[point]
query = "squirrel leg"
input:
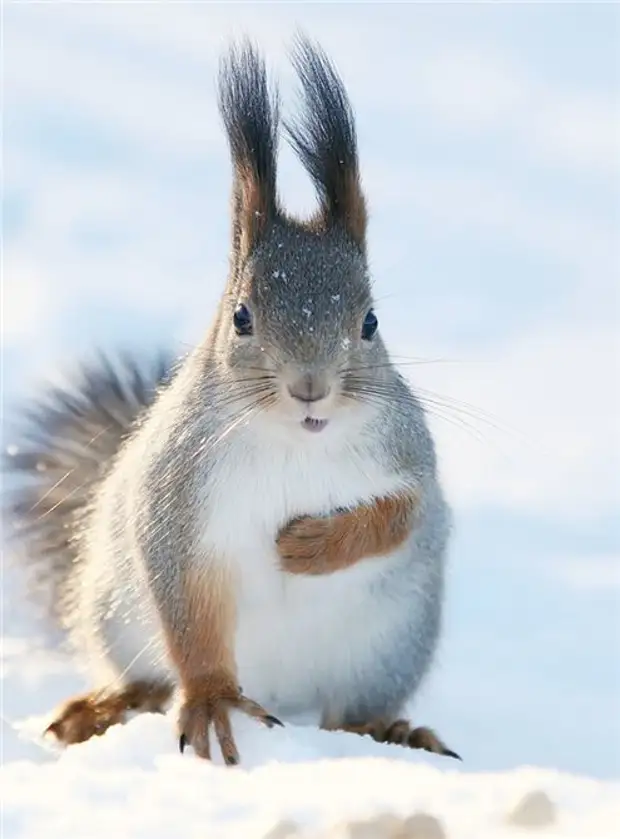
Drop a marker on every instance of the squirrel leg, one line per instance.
(399, 732)
(324, 544)
(93, 713)
(200, 639)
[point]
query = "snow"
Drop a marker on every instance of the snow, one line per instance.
(293, 782)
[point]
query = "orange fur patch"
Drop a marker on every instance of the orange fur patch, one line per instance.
(322, 545)
(201, 642)
(201, 646)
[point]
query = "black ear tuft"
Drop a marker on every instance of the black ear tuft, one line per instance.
(250, 109)
(325, 140)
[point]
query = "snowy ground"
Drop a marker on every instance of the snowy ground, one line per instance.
(294, 782)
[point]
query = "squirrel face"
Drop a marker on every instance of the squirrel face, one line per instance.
(301, 326)
(296, 329)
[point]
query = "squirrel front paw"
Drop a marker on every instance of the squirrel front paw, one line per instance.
(305, 545)
(207, 705)
(324, 544)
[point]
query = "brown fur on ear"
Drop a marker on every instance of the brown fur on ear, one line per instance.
(355, 217)
(250, 113)
(325, 140)
(254, 210)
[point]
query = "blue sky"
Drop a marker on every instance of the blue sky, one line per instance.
(489, 139)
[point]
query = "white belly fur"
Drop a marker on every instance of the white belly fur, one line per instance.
(299, 639)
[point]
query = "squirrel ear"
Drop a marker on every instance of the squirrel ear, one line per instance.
(325, 140)
(249, 109)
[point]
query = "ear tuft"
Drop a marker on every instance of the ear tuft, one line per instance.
(325, 140)
(250, 110)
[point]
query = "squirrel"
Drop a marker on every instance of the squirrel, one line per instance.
(258, 527)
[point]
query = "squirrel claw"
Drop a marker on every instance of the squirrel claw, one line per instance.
(53, 728)
(449, 753)
(270, 721)
(182, 743)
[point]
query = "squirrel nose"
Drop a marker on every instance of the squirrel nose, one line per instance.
(309, 388)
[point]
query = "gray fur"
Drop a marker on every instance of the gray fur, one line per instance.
(67, 441)
(121, 528)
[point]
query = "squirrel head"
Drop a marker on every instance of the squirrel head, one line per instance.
(297, 326)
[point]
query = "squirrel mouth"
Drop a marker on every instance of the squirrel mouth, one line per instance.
(314, 424)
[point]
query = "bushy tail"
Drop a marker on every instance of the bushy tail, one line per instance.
(67, 440)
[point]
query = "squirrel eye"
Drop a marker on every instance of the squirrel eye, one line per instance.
(370, 326)
(242, 320)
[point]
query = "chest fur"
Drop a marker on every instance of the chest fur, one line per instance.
(296, 635)
(256, 487)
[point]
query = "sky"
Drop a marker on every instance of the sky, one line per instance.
(489, 138)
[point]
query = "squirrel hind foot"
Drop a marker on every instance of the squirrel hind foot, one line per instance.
(399, 733)
(91, 714)
(418, 738)
(207, 706)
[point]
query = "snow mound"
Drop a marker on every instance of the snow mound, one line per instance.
(294, 782)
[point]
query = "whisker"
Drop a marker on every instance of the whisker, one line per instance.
(387, 394)
(438, 412)
(440, 360)
(62, 479)
(406, 362)
(456, 407)
(249, 413)
(136, 658)
(472, 411)
(62, 500)
(241, 394)
(266, 376)
(384, 401)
